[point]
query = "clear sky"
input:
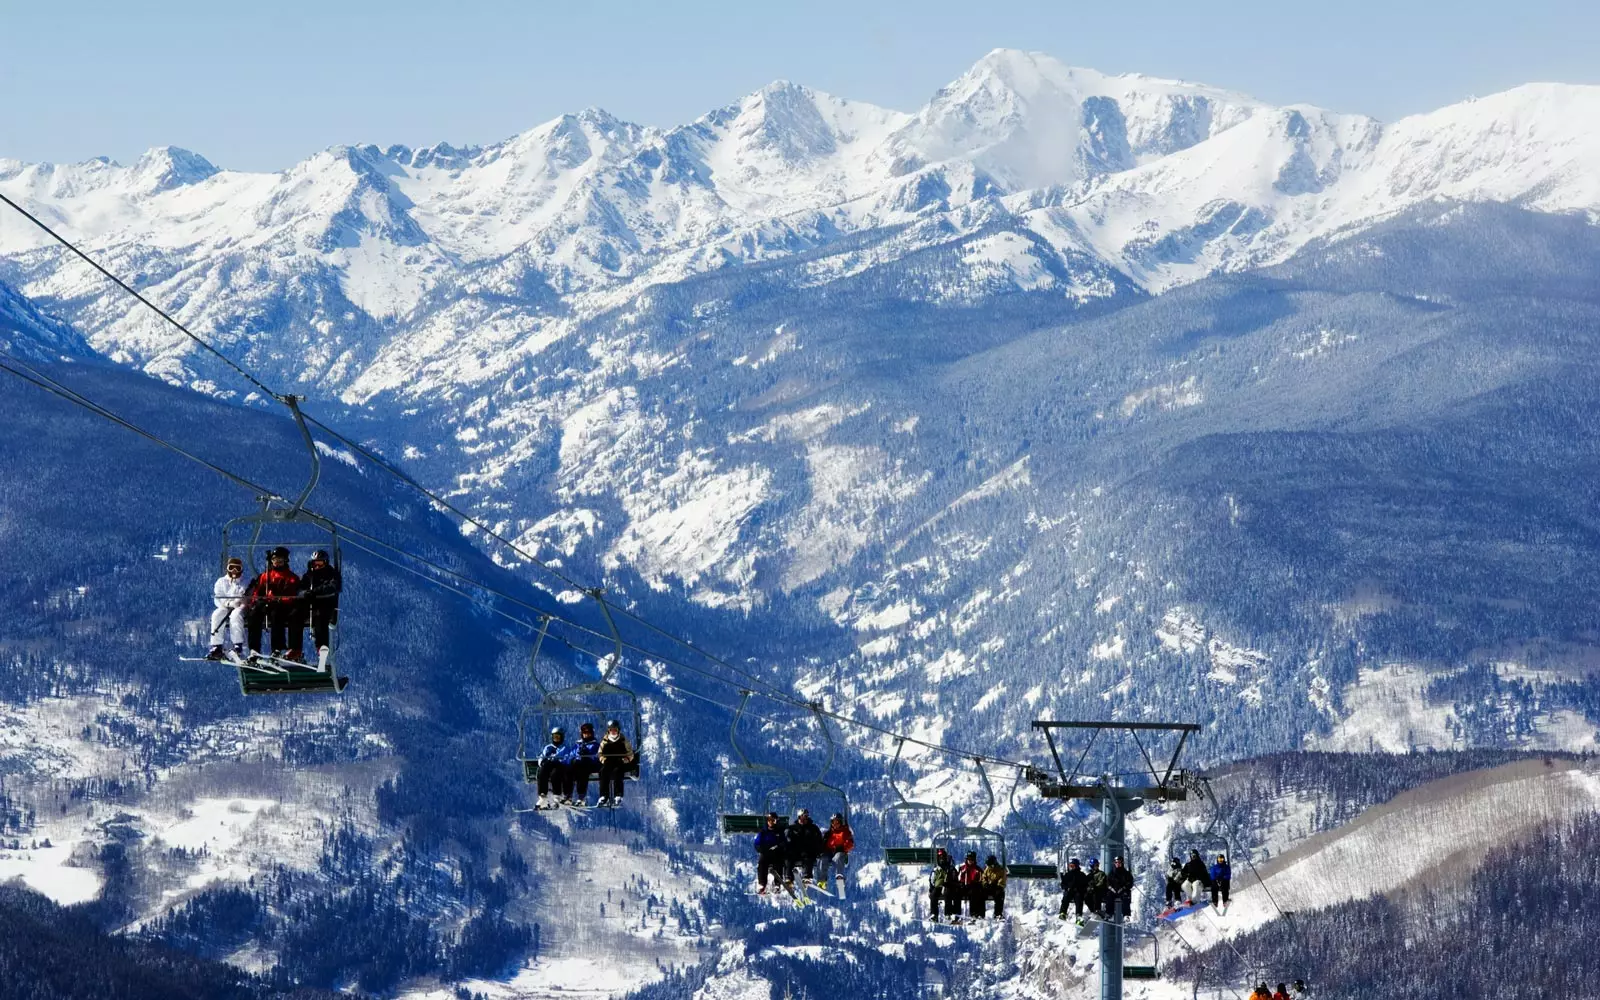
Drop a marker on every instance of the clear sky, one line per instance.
(260, 84)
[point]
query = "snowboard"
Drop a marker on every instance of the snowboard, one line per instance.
(1182, 911)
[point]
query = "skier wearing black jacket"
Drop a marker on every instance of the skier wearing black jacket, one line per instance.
(771, 850)
(1074, 888)
(319, 596)
(1195, 877)
(1119, 890)
(805, 845)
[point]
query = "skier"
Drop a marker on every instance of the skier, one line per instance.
(615, 755)
(993, 887)
(942, 886)
(805, 844)
(770, 854)
(1174, 884)
(1074, 888)
(1261, 992)
(837, 844)
(271, 599)
(1282, 992)
(553, 780)
(1119, 889)
(1300, 989)
(585, 760)
(319, 600)
(1097, 887)
(1195, 877)
(1221, 878)
(227, 594)
(970, 877)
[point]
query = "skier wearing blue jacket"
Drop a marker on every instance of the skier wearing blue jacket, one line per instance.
(585, 760)
(555, 782)
(772, 853)
(1221, 877)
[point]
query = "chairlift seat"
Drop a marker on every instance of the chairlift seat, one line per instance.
(749, 823)
(290, 681)
(1139, 972)
(1033, 871)
(908, 855)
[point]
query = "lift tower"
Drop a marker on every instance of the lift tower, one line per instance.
(1117, 798)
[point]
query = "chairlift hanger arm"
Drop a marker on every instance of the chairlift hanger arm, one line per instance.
(616, 637)
(988, 791)
(827, 735)
(293, 403)
(533, 658)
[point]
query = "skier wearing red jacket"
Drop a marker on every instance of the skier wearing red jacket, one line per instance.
(273, 598)
(837, 844)
(970, 876)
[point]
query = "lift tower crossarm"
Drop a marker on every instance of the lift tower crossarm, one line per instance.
(1162, 786)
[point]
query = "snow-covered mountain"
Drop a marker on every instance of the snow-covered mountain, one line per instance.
(371, 263)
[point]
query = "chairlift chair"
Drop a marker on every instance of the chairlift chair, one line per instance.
(1020, 822)
(903, 824)
(1142, 949)
(745, 783)
(590, 701)
(977, 839)
(805, 793)
(289, 525)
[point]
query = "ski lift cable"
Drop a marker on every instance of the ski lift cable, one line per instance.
(27, 373)
(45, 382)
(768, 689)
(784, 699)
(1200, 966)
(668, 685)
(364, 451)
(33, 376)
(765, 686)
(1287, 915)
(136, 294)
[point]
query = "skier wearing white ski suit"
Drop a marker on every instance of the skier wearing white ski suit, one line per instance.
(227, 594)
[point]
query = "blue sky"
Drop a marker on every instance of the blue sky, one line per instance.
(262, 85)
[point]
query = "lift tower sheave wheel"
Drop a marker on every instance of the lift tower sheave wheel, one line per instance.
(1160, 781)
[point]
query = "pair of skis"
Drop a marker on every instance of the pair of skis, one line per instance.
(801, 895)
(264, 661)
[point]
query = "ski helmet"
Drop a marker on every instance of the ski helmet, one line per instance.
(236, 561)
(614, 724)
(321, 554)
(558, 731)
(587, 727)
(277, 552)
(1072, 862)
